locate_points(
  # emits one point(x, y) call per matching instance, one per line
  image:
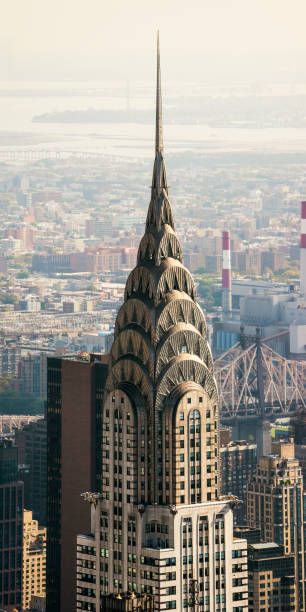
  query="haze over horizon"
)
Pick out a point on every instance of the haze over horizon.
point(221, 41)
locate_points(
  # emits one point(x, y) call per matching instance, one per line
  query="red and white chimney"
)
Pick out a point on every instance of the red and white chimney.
point(303, 251)
point(227, 273)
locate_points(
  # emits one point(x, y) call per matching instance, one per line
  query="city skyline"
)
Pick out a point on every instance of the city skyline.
point(153, 325)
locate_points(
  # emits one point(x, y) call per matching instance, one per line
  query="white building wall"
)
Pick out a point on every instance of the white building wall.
point(297, 339)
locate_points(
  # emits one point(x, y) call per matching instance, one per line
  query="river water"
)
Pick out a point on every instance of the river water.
point(18, 105)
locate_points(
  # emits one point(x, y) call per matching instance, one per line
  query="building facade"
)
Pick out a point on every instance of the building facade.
point(10, 355)
point(34, 560)
point(238, 463)
point(159, 525)
point(11, 528)
point(276, 503)
point(180, 555)
point(31, 441)
point(75, 389)
point(32, 375)
point(271, 579)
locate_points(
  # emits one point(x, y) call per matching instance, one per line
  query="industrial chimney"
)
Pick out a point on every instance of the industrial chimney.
point(227, 274)
point(303, 251)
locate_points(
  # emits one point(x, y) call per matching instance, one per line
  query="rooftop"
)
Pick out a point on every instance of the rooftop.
point(265, 545)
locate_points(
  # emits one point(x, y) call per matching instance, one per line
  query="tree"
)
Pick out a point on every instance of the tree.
point(22, 274)
point(8, 298)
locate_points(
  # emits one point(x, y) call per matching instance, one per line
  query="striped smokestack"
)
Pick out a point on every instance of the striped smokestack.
point(303, 251)
point(226, 273)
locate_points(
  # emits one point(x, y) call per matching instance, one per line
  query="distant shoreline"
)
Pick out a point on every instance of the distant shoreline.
point(253, 112)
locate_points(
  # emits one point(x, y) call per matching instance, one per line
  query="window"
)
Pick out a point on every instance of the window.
point(236, 554)
point(170, 561)
point(171, 590)
point(238, 596)
point(220, 555)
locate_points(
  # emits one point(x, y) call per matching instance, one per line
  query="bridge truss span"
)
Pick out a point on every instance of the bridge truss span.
point(8, 423)
point(257, 381)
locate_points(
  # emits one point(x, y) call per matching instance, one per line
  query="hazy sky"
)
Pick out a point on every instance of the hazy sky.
point(200, 39)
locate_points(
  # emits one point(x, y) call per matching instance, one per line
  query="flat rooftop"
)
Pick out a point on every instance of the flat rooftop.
point(264, 545)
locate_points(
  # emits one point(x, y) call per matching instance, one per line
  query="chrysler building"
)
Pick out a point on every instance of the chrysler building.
point(159, 525)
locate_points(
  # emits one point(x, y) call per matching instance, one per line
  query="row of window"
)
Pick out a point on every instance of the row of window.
point(86, 550)
point(156, 527)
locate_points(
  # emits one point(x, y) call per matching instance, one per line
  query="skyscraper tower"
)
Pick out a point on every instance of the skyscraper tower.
point(159, 524)
point(159, 353)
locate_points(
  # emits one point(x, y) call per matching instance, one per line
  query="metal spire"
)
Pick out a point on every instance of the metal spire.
point(159, 145)
point(159, 181)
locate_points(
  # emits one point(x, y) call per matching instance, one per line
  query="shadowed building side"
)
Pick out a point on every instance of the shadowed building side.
point(75, 390)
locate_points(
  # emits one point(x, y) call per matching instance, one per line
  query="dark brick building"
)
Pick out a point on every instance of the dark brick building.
point(75, 392)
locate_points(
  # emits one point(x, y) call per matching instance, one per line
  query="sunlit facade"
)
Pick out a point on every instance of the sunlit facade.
point(34, 559)
point(276, 504)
